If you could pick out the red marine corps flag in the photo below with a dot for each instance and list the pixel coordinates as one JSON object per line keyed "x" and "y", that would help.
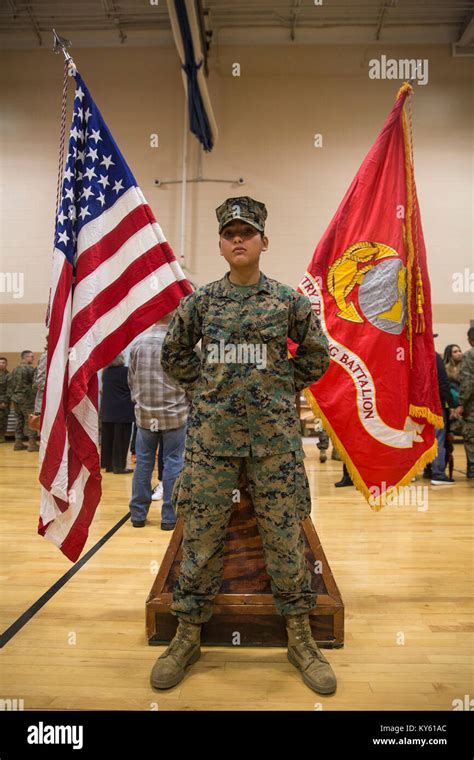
{"x": 368, "y": 283}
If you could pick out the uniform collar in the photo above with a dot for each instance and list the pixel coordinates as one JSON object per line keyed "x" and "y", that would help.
{"x": 226, "y": 288}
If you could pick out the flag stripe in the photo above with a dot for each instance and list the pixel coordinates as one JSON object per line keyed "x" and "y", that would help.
{"x": 108, "y": 345}
{"x": 60, "y": 303}
{"x": 112, "y": 291}
{"x": 114, "y": 274}
{"x": 110, "y": 321}
{"x": 93, "y": 231}
{"x": 127, "y": 231}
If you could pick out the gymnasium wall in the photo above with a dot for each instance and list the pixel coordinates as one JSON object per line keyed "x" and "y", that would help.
{"x": 267, "y": 119}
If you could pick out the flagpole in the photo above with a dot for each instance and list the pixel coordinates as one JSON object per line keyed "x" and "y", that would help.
{"x": 182, "y": 241}
{"x": 60, "y": 44}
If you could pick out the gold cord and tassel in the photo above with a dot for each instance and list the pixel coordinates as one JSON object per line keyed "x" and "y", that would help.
{"x": 420, "y": 299}
{"x": 413, "y": 256}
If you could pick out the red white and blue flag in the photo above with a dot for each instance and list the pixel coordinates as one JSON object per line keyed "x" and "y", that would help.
{"x": 114, "y": 274}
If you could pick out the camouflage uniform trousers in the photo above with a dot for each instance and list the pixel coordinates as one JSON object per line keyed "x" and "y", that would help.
{"x": 323, "y": 443}
{"x": 3, "y": 421}
{"x": 468, "y": 435}
{"x": 22, "y": 410}
{"x": 203, "y": 498}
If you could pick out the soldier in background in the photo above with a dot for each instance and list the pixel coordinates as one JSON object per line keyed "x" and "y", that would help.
{"x": 465, "y": 410}
{"x": 243, "y": 415}
{"x": 23, "y": 397}
{"x": 323, "y": 445}
{"x": 39, "y": 383}
{"x": 39, "y": 379}
{"x": 4, "y": 397}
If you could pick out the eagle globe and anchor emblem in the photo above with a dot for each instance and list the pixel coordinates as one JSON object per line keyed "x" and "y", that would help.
{"x": 379, "y": 273}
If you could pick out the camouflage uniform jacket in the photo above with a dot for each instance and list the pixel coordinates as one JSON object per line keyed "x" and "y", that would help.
{"x": 4, "y": 386}
{"x": 466, "y": 389}
{"x": 242, "y": 407}
{"x": 21, "y": 384}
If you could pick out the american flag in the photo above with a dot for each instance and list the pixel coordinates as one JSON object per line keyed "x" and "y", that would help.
{"x": 114, "y": 274}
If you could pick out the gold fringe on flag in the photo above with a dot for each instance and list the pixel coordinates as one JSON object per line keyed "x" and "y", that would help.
{"x": 376, "y": 504}
{"x": 427, "y": 414}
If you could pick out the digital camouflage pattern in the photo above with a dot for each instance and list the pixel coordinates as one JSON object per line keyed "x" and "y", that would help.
{"x": 4, "y": 386}
{"x": 21, "y": 384}
{"x": 247, "y": 209}
{"x": 243, "y": 414}
{"x": 203, "y": 498}
{"x": 39, "y": 381}
{"x": 323, "y": 440}
{"x": 23, "y": 397}
{"x": 4, "y": 401}
{"x": 466, "y": 399}
{"x": 242, "y": 408}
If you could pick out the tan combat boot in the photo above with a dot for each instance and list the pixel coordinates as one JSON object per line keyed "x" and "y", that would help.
{"x": 183, "y": 650}
{"x": 304, "y": 654}
{"x": 33, "y": 445}
{"x": 19, "y": 446}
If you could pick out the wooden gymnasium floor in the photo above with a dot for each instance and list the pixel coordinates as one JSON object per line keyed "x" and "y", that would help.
{"x": 401, "y": 572}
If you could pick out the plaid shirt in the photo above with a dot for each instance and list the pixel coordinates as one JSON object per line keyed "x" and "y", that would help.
{"x": 160, "y": 403}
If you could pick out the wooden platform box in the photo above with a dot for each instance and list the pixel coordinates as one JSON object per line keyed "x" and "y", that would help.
{"x": 244, "y": 610}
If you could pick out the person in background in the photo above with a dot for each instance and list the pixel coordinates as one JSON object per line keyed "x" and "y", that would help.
{"x": 161, "y": 411}
{"x": 346, "y": 479}
{"x": 323, "y": 446}
{"x": 465, "y": 408}
{"x": 438, "y": 465}
{"x": 39, "y": 382}
{"x": 116, "y": 417}
{"x": 4, "y": 397}
{"x": 452, "y": 361}
{"x": 23, "y": 397}
{"x": 158, "y": 490}
{"x": 133, "y": 442}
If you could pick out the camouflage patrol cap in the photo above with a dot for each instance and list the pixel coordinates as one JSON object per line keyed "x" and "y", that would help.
{"x": 247, "y": 209}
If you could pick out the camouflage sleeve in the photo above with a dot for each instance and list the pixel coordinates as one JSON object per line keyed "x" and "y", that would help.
{"x": 178, "y": 358}
{"x": 28, "y": 374}
{"x": 12, "y": 382}
{"x": 466, "y": 378}
{"x": 312, "y": 356}
{"x": 9, "y": 389}
{"x": 39, "y": 376}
